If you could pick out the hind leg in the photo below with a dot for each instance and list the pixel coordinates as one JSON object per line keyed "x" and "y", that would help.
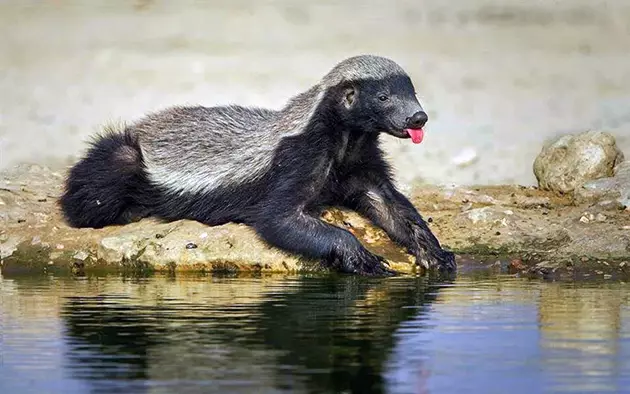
{"x": 99, "y": 188}
{"x": 133, "y": 214}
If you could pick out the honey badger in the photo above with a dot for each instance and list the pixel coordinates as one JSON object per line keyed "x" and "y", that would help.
{"x": 273, "y": 170}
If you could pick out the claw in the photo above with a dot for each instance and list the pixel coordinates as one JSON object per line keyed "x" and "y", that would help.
{"x": 442, "y": 261}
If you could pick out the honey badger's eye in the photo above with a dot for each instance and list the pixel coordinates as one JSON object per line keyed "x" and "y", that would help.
{"x": 383, "y": 97}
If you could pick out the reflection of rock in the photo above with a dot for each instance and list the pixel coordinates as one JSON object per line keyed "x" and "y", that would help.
{"x": 615, "y": 189}
{"x": 571, "y": 160}
{"x": 491, "y": 220}
{"x": 585, "y": 321}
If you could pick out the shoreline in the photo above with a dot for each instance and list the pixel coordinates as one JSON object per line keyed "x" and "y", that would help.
{"x": 507, "y": 228}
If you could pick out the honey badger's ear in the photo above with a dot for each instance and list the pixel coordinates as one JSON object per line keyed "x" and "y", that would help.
{"x": 349, "y": 96}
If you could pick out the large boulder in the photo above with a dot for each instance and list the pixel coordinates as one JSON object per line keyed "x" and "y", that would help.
{"x": 570, "y": 161}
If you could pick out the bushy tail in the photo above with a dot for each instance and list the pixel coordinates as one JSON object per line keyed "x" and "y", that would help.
{"x": 100, "y": 189}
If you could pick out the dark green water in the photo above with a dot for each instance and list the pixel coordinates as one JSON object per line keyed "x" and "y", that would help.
{"x": 272, "y": 334}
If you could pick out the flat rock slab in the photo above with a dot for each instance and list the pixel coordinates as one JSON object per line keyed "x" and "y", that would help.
{"x": 528, "y": 228}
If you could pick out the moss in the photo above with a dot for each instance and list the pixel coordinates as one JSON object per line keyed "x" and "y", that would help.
{"x": 479, "y": 249}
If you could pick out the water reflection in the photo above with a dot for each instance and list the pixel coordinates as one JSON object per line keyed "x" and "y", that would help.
{"x": 326, "y": 336}
{"x": 586, "y": 335}
{"x": 312, "y": 334}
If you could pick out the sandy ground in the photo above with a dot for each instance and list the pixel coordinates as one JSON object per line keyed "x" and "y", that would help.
{"x": 497, "y": 77}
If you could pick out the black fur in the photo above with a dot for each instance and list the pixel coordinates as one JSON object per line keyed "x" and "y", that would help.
{"x": 102, "y": 188}
{"x": 336, "y": 160}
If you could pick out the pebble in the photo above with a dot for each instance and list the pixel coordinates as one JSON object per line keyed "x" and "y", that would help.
{"x": 203, "y": 235}
{"x": 587, "y": 217}
{"x": 601, "y": 217}
{"x": 191, "y": 245}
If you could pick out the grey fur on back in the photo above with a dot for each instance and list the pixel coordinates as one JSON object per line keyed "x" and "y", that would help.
{"x": 198, "y": 149}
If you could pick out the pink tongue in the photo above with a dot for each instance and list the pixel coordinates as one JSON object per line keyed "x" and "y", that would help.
{"x": 417, "y": 135}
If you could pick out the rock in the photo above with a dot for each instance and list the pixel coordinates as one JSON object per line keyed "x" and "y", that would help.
{"x": 501, "y": 222}
{"x": 531, "y": 202}
{"x": 611, "y": 205}
{"x": 495, "y": 215}
{"x": 615, "y": 188}
{"x": 118, "y": 248}
{"x": 81, "y": 255}
{"x": 9, "y": 246}
{"x": 569, "y": 161}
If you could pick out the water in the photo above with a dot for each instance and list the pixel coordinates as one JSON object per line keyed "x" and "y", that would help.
{"x": 486, "y": 334}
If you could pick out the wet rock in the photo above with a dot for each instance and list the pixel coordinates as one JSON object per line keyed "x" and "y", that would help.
{"x": 569, "y": 161}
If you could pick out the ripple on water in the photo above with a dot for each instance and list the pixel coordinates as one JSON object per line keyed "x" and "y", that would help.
{"x": 313, "y": 334}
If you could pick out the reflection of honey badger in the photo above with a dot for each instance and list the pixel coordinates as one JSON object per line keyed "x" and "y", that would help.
{"x": 273, "y": 170}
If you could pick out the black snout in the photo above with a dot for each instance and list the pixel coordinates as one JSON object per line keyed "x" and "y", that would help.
{"x": 418, "y": 120}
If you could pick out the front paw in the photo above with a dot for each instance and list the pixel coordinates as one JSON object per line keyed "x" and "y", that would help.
{"x": 365, "y": 263}
{"x": 442, "y": 260}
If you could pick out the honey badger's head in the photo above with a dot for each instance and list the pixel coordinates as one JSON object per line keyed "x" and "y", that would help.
{"x": 374, "y": 94}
